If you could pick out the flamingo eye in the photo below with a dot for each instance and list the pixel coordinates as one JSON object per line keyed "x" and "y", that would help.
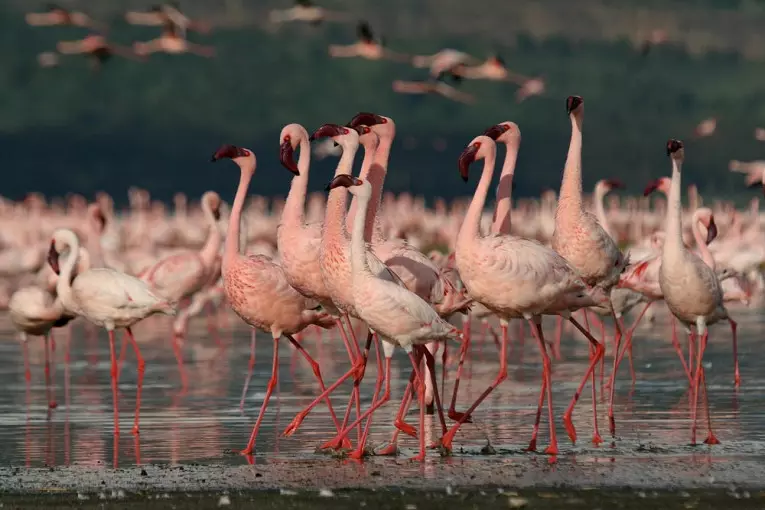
{"x": 506, "y": 127}
{"x": 384, "y": 121}
{"x": 287, "y": 138}
{"x": 345, "y": 131}
{"x": 477, "y": 145}
{"x": 366, "y": 130}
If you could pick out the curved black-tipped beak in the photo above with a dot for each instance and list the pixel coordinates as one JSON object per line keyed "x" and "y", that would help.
{"x": 328, "y": 130}
{"x": 711, "y": 230}
{"x": 495, "y": 131}
{"x": 286, "y": 157}
{"x": 467, "y": 157}
{"x": 342, "y": 180}
{"x": 216, "y": 213}
{"x": 367, "y": 119}
{"x": 53, "y": 258}
{"x": 652, "y": 186}
{"x": 228, "y": 151}
{"x": 572, "y": 103}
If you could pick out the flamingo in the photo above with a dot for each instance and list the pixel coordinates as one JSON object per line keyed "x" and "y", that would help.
{"x": 169, "y": 12}
{"x": 691, "y": 289}
{"x": 308, "y": 12}
{"x": 107, "y": 298}
{"x": 172, "y": 41}
{"x": 436, "y": 86}
{"x": 57, "y": 15}
{"x": 399, "y": 316}
{"x": 515, "y": 278}
{"x": 96, "y": 48}
{"x": 581, "y": 240}
{"x": 367, "y": 47}
{"x": 334, "y": 258}
{"x": 257, "y": 289}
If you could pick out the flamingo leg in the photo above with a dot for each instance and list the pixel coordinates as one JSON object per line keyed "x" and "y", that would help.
{"x": 711, "y": 438}
{"x": 179, "y": 359}
{"x": 453, "y": 413}
{"x": 421, "y": 393}
{"x": 141, "y": 370}
{"x": 317, "y": 373}
{"x": 115, "y": 402}
{"x": 48, "y": 392}
{"x": 250, "y": 369}
{"x": 676, "y": 344}
{"x": 536, "y": 329}
{"x": 596, "y": 439}
{"x": 25, "y": 352}
{"x": 697, "y": 379}
{"x": 430, "y": 361}
{"x": 123, "y": 352}
{"x": 558, "y": 335}
{"x": 599, "y": 352}
{"x": 448, "y": 438}
{"x": 269, "y": 389}
{"x": 53, "y": 367}
{"x": 399, "y": 424}
{"x": 736, "y": 373}
{"x": 359, "y": 452}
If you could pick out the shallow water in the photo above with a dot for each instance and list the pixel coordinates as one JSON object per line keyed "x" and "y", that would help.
{"x": 203, "y": 424}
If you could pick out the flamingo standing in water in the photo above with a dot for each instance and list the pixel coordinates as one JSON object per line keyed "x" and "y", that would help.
{"x": 107, "y": 298}
{"x": 515, "y": 278}
{"x": 399, "y": 316}
{"x": 257, "y": 289}
{"x": 334, "y": 258}
{"x": 691, "y": 289}
{"x": 581, "y": 240}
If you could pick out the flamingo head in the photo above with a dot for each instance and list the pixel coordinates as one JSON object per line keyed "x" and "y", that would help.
{"x": 661, "y": 184}
{"x": 97, "y": 215}
{"x": 368, "y": 138}
{"x": 504, "y": 132}
{"x": 212, "y": 200}
{"x": 355, "y": 185}
{"x": 291, "y": 136}
{"x": 53, "y": 257}
{"x": 341, "y": 135}
{"x": 675, "y": 149}
{"x": 383, "y": 126}
{"x": 707, "y": 218}
{"x": 479, "y": 148}
{"x": 574, "y": 105}
{"x": 609, "y": 184}
{"x": 232, "y": 152}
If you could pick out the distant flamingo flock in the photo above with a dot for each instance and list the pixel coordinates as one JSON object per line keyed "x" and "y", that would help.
{"x": 418, "y": 278}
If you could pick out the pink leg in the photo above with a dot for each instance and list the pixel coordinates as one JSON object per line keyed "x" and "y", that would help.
{"x": 115, "y": 403}
{"x": 431, "y": 363}
{"x": 448, "y": 438}
{"x": 558, "y": 335}
{"x": 317, "y": 373}
{"x": 51, "y": 400}
{"x": 536, "y": 329}
{"x": 415, "y": 363}
{"x": 697, "y": 380}
{"x": 736, "y": 374}
{"x": 123, "y": 351}
{"x": 599, "y": 351}
{"x": 250, "y": 368}
{"x": 596, "y": 439}
{"x": 453, "y": 413}
{"x": 25, "y": 352}
{"x": 141, "y": 370}
{"x": 269, "y": 389}
{"x": 603, "y": 360}
{"x": 711, "y": 438}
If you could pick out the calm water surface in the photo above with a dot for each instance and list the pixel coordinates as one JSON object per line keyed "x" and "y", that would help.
{"x": 204, "y": 424}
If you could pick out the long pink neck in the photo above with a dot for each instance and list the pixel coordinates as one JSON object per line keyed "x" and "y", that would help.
{"x": 701, "y": 243}
{"x": 334, "y": 217}
{"x": 293, "y": 214}
{"x": 600, "y": 211}
{"x": 366, "y": 164}
{"x": 502, "y": 211}
{"x": 231, "y": 248}
{"x": 570, "y": 198}
{"x": 211, "y": 248}
{"x": 471, "y": 224}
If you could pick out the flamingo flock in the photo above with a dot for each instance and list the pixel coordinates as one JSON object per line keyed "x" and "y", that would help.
{"x": 316, "y": 261}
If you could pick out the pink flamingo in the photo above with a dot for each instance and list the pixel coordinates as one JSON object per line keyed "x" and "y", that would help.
{"x": 581, "y": 240}
{"x": 515, "y": 278}
{"x": 108, "y": 299}
{"x": 689, "y": 284}
{"x": 399, "y": 316}
{"x": 257, "y": 289}
{"x": 334, "y": 257}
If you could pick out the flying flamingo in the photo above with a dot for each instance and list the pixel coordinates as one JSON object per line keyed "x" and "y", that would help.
{"x": 169, "y": 12}
{"x": 581, "y": 240}
{"x": 57, "y": 15}
{"x": 107, "y": 298}
{"x": 307, "y": 12}
{"x": 515, "y": 278}
{"x": 367, "y": 47}
{"x": 436, "y": 86}
{"x": 691, "y": 288}
{"x": 399, "y": 316}
{"x": 171, "y": 41}
{"x": 257, "y": 290}
{"x": 96, "y": 48}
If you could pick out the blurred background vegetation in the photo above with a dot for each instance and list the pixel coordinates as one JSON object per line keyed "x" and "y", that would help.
{"x": 155, "y": 124}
